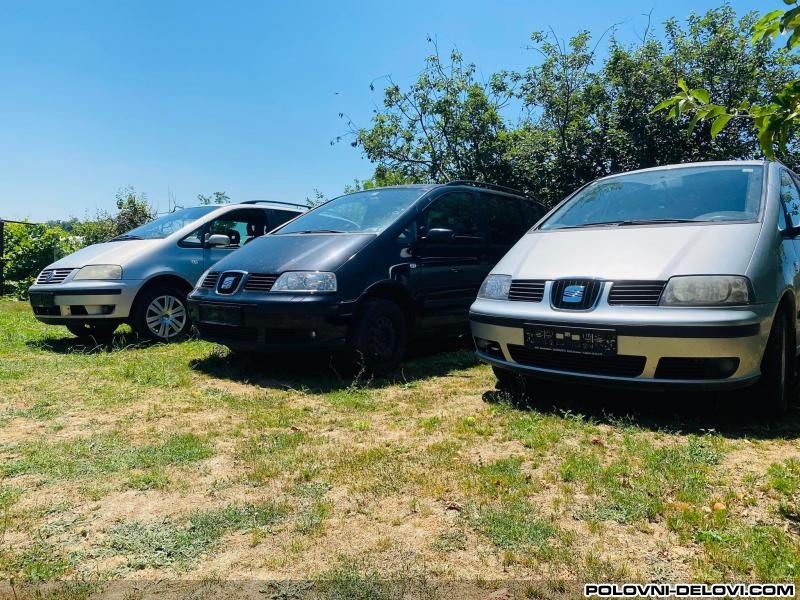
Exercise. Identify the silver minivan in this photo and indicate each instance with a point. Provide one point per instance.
(143, 277)
(684, 276)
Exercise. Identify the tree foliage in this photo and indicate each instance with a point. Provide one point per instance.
(29, 249)
(774, 115)
(572, 117)
(215, 198)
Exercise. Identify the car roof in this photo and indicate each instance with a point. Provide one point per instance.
(708, 163)
(274, 205)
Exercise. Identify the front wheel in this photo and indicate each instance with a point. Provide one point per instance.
(93, 333)
(379, 337)
(160, 314)
(775, 387)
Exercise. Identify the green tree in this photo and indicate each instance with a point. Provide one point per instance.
(446, 125)
(29, 249)
(773, 116)
(215, 198)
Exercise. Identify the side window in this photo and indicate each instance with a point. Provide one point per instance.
(506, 221)
(458, 211)
(533, 212)
(241, 226)
(790, 198)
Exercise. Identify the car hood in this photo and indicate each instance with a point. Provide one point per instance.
(108, 253)
(633, 252)
(278, 253)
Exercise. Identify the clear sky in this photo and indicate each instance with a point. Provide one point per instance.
(194, 97)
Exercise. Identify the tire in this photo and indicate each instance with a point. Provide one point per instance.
(775, 387)
(379, 337)
(161, 314)
(92, 333)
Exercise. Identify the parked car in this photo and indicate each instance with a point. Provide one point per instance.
(364, 272)
(142, 277)
(685, 276)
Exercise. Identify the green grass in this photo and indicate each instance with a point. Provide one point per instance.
(189, 461)
(179, 545)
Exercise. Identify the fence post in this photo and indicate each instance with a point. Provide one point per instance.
(2, 254)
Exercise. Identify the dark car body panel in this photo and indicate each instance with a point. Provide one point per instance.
(435, 283)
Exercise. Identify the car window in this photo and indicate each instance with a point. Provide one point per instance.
(702, 194)
(790, 198)
(168, 224)
(459, 211)
(279, 217)
(507, 222)
(241, 226)
(369, 211)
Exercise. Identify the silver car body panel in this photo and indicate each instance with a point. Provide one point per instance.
(141, 261)
(757, 250)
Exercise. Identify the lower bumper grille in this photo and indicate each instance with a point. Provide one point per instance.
(696, 368)
(225, 332)
(620, 365)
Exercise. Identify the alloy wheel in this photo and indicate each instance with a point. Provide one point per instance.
(166, 317)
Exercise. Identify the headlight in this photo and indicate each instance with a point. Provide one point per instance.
(707, 290)
(305, 281)
(100, 272)
(495, 287)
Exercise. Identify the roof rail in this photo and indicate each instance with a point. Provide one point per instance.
(273, 202)
(488, 186)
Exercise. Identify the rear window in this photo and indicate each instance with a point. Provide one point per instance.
(701, 194)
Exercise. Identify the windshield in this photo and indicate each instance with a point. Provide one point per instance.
(370, 211)
(167, 225)
(685, 194)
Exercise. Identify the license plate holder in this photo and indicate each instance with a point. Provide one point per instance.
(574, 340)
(40, 300)
(216, 314)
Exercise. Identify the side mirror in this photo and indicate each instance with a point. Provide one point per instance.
(439, 236)
(218, 239)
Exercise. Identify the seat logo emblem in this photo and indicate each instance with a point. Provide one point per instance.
(573, 293)
(228, 283)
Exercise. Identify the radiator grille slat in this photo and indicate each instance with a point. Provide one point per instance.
(53, 276)
(636, 293)
(210, 282)
(259, 282)
(526, 290)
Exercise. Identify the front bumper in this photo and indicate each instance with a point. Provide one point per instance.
(687, 338)
(83, 300)
(272, 324)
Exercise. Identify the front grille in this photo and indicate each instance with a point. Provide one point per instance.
(636, 293)
(526, 290)
(53, 276)
(619, 365)
(210, 281)
(227, 332)
(696, 368)
(259, 282)
(575, 294)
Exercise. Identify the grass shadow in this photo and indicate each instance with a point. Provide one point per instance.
(74, 345)
(732, 415)
(319, 372)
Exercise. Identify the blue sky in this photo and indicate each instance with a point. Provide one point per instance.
(194, 97)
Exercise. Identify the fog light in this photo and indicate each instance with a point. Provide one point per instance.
(488, 347)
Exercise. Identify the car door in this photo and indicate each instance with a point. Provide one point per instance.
(790, 199)
(448, 253)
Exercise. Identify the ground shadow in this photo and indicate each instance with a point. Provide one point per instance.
(74, 345)
(321, 372)
(730, 414)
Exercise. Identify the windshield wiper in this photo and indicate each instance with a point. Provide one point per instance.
(628, 222)
(317, 231)
(125, 236)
